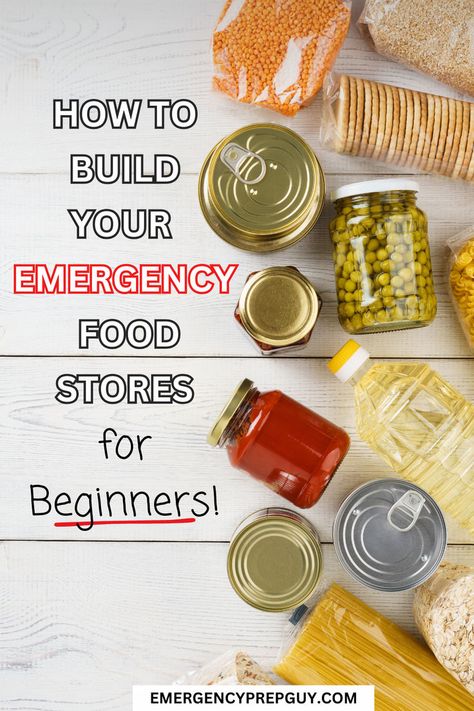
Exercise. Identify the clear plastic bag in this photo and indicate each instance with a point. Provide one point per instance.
(231, 668)
(276, 53)
(444, 613)
(343, 641)
(461, 280)
(399, 126)
(433, 36)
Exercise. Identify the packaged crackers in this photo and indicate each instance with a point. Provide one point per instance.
(434, 37)
(399, 126)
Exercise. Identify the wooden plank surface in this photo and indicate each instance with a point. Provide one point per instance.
(103, 616)
(57, 445)
(85, 617)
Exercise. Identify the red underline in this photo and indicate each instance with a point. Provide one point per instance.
(66, 524)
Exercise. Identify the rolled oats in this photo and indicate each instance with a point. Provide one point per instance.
(444, 613)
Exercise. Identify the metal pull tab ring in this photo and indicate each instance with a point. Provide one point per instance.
(233, 156)
(411, 504)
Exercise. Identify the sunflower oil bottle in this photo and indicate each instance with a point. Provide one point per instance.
(417, 422)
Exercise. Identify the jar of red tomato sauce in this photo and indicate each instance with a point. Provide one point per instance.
(278, 441)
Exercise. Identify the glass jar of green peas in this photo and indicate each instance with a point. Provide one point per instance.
(382, 257)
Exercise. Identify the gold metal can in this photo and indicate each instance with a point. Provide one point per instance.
(261, 188)
(275, 560)
(278, 308)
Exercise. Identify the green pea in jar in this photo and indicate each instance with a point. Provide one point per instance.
(381, 257)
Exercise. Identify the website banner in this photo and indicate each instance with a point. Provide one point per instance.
(255, 698)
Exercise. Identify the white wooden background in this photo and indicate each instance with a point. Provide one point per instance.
(83, 616)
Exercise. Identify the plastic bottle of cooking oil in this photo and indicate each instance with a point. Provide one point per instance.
(417, 422)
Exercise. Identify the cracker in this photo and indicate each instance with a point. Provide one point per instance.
(352, 104)
(393, 105)
(470, 143)
(443, 166)
(397, 145)
(415, 131)
(443, 132)
(367, 117)
(406, 136)
(342, 114)
(433, 147)
(388, 129)
(466, 127)
(423, 123)
(456, 137)
(430, 119)
(470, 169)
(359, 116)
(374, 119)
(382, 120)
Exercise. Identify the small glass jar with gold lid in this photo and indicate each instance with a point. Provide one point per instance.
(278, 309)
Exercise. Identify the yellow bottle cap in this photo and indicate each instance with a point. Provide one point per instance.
(348, 360)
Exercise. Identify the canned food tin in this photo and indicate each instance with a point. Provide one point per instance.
(390, 535)
(278, 309)
(261, 188)
(274, 560)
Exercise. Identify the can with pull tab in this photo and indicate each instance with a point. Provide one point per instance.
(390, 535)
(261, 188)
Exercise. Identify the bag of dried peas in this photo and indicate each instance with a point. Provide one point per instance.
(461, 279)
(276, 53)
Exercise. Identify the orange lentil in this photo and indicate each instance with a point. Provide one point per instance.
(276, 53)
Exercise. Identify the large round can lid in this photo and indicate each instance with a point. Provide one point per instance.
(261, 188)
(384, 185)
(390, 535)
(274, 562)
(278, 306)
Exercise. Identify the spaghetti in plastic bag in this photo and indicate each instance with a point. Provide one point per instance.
(231, 668)
(461, 280)
(399, 126)
(343, 641)
(276, 53)
(433, 36)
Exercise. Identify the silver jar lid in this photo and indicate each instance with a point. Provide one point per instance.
(390, 535)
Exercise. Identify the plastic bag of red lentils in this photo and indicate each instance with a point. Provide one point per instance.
(276, 53)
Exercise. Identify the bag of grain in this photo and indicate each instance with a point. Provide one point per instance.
(434, 36)
(444, 613)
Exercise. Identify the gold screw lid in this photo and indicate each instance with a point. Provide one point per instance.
(278, 306)
(235, 401)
